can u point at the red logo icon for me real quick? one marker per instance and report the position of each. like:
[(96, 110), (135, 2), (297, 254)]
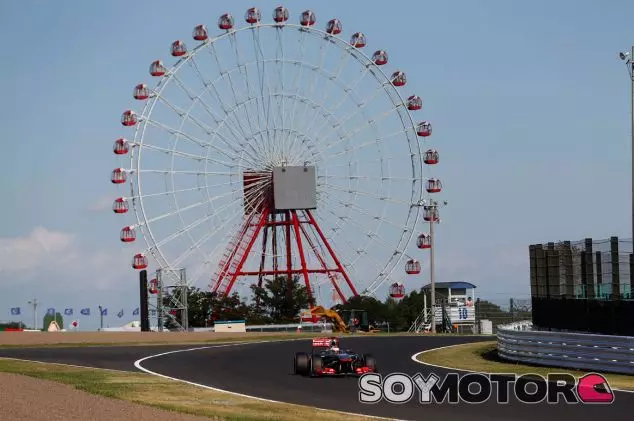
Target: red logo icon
[(594, 388)]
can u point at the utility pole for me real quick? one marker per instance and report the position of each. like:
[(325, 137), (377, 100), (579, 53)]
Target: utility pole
[(34, 303), (627, 58)]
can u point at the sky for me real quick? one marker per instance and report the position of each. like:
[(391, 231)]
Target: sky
[(529, 103)]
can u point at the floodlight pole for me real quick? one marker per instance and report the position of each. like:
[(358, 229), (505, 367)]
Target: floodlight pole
[(34, 303), (433, 220), (628, 59)]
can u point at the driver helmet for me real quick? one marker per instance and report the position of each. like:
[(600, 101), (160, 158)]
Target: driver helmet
[(334, 346)]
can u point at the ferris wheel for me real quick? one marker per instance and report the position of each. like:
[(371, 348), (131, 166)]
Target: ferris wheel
[(277, 149)]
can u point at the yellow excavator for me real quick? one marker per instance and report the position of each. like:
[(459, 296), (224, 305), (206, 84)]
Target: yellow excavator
[(333, 316)]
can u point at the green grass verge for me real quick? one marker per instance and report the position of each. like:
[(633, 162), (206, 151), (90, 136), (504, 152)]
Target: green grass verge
[(170, 395), (207, 339), (483, 357)]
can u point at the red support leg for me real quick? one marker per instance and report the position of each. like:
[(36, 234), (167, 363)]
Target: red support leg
[(243, 258), (223, 270), (332, 253), (302, 258), (323, 264), (289, 261), (263, 258)]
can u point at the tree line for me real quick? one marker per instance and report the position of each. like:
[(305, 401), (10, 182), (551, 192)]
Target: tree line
[(279, 301)]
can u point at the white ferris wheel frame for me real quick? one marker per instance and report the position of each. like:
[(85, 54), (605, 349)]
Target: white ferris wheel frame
[(399, 103)]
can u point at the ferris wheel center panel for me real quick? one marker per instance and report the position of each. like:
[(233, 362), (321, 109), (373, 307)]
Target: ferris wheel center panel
[(294, 187)]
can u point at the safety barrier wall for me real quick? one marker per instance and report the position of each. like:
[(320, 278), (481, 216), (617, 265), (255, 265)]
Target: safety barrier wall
[(520, 342)]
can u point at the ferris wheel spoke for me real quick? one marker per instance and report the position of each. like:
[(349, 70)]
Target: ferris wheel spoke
[(326, 187), (373, 236), (252, 125), (296, 84), (184, 209), (196, 223), (359, 252), (365, 212), (209, 110), (259, 52), (368, 124), (188, 155), (195, 140), (366, 177)]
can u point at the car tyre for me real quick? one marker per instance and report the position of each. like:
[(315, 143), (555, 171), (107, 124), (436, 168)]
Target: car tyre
[(316, 363), (302, 363), (370, 362)]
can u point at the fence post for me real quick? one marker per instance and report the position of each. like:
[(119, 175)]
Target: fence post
[(616, 272)]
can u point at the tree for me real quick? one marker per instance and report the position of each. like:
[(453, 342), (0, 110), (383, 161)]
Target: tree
[(49, 318), (280, 300)]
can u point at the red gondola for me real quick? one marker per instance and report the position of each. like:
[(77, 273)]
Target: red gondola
[(120, 205), (424, 128), (225, 22), (139, 261), (178, 49), (200, 33), (434, 185), (431, 157), (141, 92), (358, 40), (412, 267), (307, 18), (128, 234), (118, 176), (121, 147), (414, 103), (153, 286), (380, 57), (424, 241), (280, 14), (157, 68), (334, 27), (397, 290), (428, 212), (399, 78), (129, 118), (253, 15)]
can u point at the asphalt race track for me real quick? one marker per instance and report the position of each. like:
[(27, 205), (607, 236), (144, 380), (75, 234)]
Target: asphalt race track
[(266, 370)]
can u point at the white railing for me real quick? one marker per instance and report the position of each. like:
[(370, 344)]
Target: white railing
[(520, 342)]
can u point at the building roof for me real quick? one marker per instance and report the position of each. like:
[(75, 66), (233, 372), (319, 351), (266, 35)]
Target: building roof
[(452, 285)]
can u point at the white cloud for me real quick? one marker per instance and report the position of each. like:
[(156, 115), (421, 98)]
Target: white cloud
[(55, 259), (37, 249)]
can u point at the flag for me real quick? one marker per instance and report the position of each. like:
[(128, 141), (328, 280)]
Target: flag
[(85, 311), (75, 323), (15, 311), (50, 311), (104, 312), (135, 312), (68, 312), (120, 314), (153, 312)]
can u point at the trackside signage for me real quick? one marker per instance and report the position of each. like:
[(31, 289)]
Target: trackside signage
[(474, 388)]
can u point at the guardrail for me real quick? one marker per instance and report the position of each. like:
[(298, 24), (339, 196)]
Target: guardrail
[(520, 342), (306, 327)]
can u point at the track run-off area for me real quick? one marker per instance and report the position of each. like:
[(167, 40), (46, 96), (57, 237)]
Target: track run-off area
[(264, 370)]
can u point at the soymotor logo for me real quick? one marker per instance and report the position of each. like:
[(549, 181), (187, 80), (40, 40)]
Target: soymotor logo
[(399, 388)]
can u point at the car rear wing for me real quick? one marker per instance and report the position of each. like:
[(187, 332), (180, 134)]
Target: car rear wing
[(322, 342)]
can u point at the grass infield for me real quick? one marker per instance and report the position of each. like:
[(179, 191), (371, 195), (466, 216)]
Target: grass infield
[(482, 357), (170, 395)]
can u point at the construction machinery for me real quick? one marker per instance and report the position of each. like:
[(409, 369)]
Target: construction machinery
[(320, 311)]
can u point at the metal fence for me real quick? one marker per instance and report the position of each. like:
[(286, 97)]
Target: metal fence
[(521, 342), (583, 286)]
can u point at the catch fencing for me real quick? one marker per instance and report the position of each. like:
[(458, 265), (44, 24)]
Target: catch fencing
[(521, 342)]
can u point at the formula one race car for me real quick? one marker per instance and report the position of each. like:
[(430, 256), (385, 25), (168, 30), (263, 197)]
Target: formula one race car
[(327, 359)]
